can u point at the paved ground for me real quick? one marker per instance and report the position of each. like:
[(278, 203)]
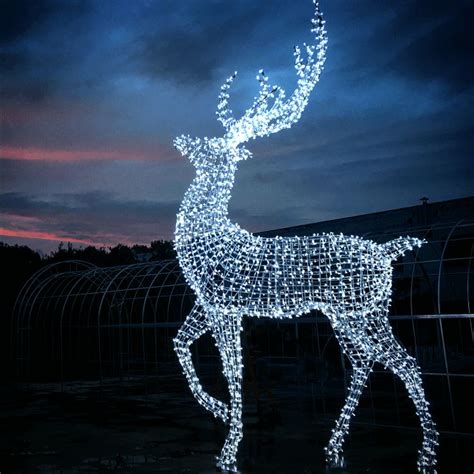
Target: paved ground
[(161, 429)]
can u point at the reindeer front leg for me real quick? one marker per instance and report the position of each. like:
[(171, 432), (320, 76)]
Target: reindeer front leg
[(193, 328), (227, 336)]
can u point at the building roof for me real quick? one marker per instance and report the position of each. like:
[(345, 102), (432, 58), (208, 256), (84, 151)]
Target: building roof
[(395, 221)]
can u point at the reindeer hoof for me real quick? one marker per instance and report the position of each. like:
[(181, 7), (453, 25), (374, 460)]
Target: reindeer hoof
[(427, 453), (427, 461), (334, 457), (226, 468)]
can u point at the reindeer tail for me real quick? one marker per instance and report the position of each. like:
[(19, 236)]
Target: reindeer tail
[(397, 247)]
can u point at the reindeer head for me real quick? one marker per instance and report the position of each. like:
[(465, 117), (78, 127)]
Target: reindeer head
[(269, 113)]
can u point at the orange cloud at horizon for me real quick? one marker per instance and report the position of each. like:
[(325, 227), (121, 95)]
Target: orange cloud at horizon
[(33, 234), (31, 154)]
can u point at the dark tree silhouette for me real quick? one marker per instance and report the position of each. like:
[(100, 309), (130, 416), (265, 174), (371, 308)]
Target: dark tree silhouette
[(162, 250)]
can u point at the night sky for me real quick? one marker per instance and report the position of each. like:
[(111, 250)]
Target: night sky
[(93, 92)]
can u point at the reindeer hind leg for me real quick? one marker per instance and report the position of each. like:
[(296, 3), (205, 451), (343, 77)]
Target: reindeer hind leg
[(388, 351), (192, 329)]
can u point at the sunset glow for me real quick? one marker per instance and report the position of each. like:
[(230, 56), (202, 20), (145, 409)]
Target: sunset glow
[(32, 234), (107, 241), (22, 153)]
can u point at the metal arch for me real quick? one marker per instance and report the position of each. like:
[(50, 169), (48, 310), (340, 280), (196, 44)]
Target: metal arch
[(114, 277), (440, 323), (108, 274), (18, 322), (28, 315), (25, 295), (122, 289), (105, 275), (49, 292), (48, 284), (187, 292), (122, 270), (471, 256), (114, 273), (165, 265), (81, 282), (117, 311), (415, 262), (177, 274), (59, 287), (138, 273), (140, 277), (158, 296), (441, 261), (82, 278), (119, 271), (26, 287), (90, 277), (19, 312), (161, 268), (468, 289)]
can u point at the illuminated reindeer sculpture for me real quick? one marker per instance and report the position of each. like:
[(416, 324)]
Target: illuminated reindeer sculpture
[(235, 273)]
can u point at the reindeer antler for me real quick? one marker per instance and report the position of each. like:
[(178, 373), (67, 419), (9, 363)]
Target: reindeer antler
[(269, 112)]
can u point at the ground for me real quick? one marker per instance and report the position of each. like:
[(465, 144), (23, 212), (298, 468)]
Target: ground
[(158, 427)]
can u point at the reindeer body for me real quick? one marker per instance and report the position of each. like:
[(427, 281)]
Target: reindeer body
[(262, 277), (231, 269), (235, 273)]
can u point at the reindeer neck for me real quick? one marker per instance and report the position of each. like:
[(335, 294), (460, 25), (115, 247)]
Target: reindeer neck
[(205, 204)]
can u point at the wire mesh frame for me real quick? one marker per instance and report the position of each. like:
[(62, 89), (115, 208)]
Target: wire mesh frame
[(100, 299), (140, 300)]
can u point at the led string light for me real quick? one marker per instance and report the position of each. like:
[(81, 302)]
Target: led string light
[(235, 273)]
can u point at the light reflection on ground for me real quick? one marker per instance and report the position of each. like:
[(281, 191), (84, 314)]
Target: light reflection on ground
[(162, 429)]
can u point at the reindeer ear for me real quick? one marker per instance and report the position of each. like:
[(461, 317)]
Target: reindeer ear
[(183, 144)]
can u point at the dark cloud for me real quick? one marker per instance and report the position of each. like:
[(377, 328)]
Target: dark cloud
[(26, 90), (426, 41), (444, 53), (22, 20), (191, 49), (93, 202), (63, 47), (91, 216), (40, 44), (11, 62), (22, 17)]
